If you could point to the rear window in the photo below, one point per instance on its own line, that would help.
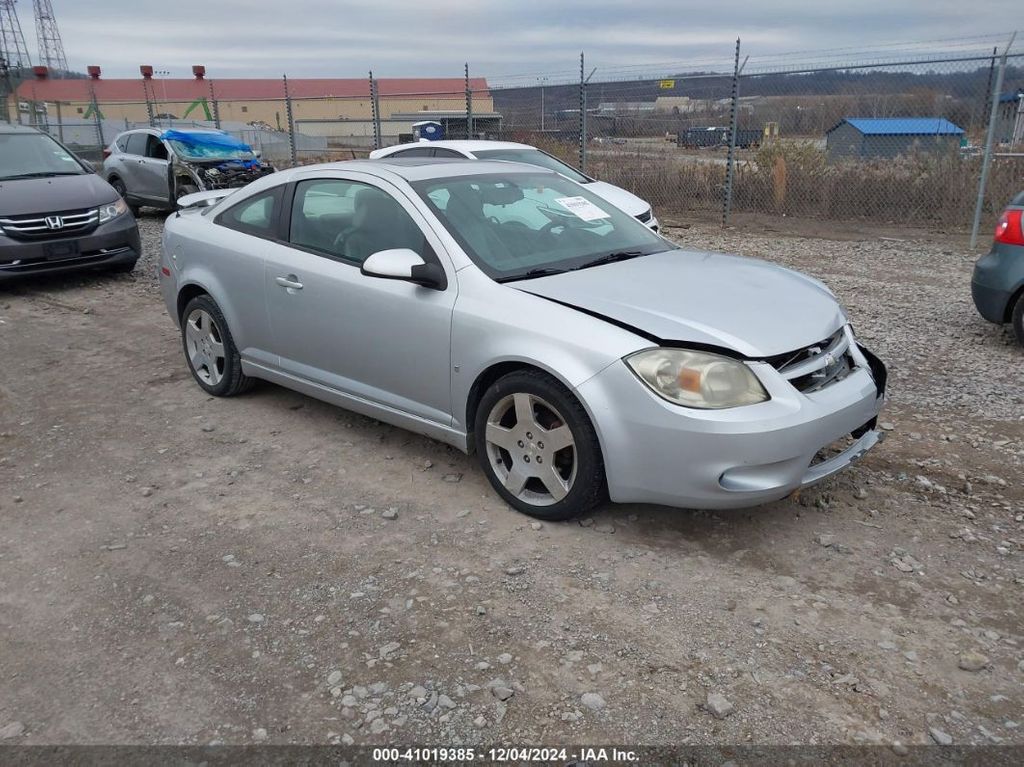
(533, 157)
(1018, 200)
(417, 152)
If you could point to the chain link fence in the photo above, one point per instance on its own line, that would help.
(923, 135)
(894, 138)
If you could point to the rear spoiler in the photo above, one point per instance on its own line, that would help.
(203, 199)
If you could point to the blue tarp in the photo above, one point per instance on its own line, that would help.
(211, 142)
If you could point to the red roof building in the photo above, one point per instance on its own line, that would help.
(250, 99)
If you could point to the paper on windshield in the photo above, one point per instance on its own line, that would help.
(582, 208)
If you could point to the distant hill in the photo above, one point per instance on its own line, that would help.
(963, 94)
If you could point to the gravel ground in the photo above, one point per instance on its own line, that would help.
(179, 569)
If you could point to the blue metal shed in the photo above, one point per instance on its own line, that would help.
(872, 137)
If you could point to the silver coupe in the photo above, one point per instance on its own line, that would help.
(508, 311)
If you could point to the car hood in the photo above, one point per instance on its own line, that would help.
(25, 196)
(755, 308)
(619, 197)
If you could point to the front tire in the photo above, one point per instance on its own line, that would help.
(184, 189)
(1017, 319)
(210, 350)
(538, 448)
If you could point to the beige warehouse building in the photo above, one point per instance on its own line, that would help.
(320, 106)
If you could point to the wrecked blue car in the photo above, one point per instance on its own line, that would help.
(155, 168)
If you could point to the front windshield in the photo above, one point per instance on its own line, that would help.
(196, 151)
(28, 155)
(533, 157)
(521, 225)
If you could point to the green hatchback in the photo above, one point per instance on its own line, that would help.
(998, 282)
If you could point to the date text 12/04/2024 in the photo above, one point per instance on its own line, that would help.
(502, 754)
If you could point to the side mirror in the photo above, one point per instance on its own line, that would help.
(404, 264)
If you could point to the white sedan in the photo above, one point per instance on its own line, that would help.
(507, 150)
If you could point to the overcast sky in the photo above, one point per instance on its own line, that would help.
(343, 38)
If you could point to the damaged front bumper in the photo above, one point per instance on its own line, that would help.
(220, 174)
(657, 452)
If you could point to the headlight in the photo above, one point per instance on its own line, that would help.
(697, 379)
(112, 210)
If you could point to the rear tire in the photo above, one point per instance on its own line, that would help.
(122, 190)
(1017, 319)
(210, 350)
(538, 448)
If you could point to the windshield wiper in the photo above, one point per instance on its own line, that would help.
(544, 272)
(41, 174)
(610, 258)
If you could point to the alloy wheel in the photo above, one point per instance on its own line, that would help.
(531, 449)
(205, 347)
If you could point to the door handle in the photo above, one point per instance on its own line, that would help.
(291, 282)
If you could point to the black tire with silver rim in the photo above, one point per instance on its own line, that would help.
(122, 190)
(538, 448)
(210, 349)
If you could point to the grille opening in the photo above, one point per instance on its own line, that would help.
(818, 365)
(49, 226)
(833, 449)
(40, 262)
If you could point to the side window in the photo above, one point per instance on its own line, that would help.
(440, 152)
(137, 144)
(155, 148)
(256, 215)
(122, 143)
(350, 221)
(420, 151)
